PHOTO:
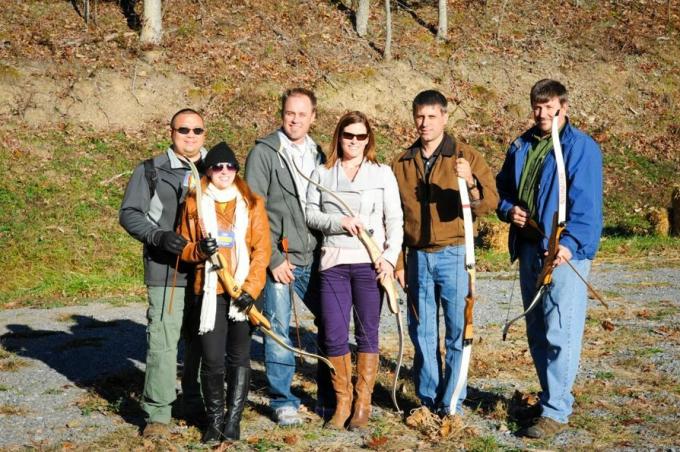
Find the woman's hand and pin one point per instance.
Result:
(244, 302)
(208, 246)
(383, 268)
(352, 225)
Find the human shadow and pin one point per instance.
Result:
(100, 356)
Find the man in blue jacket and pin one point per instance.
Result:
(528, 185)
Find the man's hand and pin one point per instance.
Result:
(519, 216)
(352, 225)
(284, 273)
(171, 242)
(563, 255)
(383, 268)
(463, 170)
(399, 276)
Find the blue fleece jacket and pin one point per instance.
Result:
(583, 165)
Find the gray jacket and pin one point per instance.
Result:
(373, 196)
(144, 217)
(269, 173)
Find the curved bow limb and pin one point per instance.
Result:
(257, 318)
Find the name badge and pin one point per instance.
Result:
(225, 239)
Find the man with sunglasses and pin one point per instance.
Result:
(150, 213)
(272, 171)
(434, 252)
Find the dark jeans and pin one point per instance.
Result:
(342, 287)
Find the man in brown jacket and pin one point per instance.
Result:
(434, 237)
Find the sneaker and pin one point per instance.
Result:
(543, 428)
(156, 430)
(287, 416)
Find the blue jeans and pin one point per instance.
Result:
(279, 362)
(555, 328)
(437, 280)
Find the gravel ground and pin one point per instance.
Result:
(63, 352)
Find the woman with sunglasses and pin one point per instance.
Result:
(348, 278)
(233, 223)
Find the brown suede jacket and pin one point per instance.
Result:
(433, 217)
(257, 239)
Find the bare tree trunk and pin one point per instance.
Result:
(152, 30)
(362, 17)
(388, 31)
(443, 23)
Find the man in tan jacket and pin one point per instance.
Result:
(434, 237)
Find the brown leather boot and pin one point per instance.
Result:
(367, 368)
(342, 385)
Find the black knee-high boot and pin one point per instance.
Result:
(238, 383)
(213, 397)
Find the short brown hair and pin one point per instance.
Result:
(298, 92)
(353, 117)
(429, 97)
(547, 89)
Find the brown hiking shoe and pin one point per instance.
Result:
(156, 430)
(543, 428)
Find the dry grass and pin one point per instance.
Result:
(9, 362)
(13, 410)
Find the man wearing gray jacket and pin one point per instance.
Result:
(150, 213)
(271, 172)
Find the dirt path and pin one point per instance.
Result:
(73, 374)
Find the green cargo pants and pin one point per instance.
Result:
(162, 335)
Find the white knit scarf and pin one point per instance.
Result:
(209, 306)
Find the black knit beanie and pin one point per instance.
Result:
(220, 153)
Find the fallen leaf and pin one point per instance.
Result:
(376, 442)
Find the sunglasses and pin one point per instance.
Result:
(186, 130)
(350, 136)
(219, 167)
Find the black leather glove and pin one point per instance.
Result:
(171, 242)
(208, 246)
(244, 302)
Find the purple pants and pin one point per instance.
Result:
(342, 287)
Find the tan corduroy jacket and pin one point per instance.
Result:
(433, 217)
